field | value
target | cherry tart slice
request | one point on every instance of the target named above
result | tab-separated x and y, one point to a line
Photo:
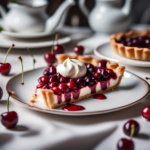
132	45
55	90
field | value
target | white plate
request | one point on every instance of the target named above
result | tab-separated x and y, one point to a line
105	51
6	42
26	35
128	94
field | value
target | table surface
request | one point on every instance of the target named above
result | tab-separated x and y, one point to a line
37	130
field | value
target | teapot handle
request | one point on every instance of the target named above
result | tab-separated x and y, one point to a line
83	7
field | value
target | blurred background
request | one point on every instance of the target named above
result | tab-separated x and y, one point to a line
140	12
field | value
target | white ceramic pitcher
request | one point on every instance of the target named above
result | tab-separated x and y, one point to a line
107	16
29	16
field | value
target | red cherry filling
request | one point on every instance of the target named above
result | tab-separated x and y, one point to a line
56	81
127	127
143	42
72	85
146	112
63	87
43	79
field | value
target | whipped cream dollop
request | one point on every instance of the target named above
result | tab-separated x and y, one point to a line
72	68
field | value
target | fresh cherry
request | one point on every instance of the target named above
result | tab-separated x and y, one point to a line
53	84
9	119
125	144
46	73
45	86
63	87
52	70
102	63
127	127
6	67
56	90
53	79
43	79
63	80
73	80
97	75
1	93
79	50
58	49
72	85
50	57
146	112
81	82
40	85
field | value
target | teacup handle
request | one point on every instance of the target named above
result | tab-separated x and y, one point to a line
83	7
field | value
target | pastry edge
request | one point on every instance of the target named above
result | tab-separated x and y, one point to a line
130	52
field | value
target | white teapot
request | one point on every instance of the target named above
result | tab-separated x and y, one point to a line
107	16
29	16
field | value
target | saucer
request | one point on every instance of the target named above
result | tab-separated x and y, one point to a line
105	51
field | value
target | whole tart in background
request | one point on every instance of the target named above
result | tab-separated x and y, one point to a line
132	44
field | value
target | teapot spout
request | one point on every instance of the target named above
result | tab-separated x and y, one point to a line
54	20
127	7
2	11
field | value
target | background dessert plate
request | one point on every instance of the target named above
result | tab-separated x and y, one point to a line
6	42
105	51
126	95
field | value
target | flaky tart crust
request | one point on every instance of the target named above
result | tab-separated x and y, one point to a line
130	52
48	95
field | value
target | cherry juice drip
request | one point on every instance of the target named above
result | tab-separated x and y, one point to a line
100	96
73	107
59	99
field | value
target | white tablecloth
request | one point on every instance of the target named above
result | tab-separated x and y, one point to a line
41	131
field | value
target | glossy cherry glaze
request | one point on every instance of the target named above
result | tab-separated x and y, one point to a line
146	112
1	93
79	50
141	42
73	107
99	96
9	119
50	57
127	127
58	49
125	144
68	88
5	68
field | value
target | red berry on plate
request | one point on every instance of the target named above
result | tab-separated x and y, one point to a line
9	119
79	50
63	80
50	57
53	78
43	79
125	144
58	49
127	127
52	70
146	112
63	87
56	90
72	85
1	93
53	84
102	63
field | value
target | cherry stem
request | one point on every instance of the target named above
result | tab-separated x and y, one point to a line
34	61
56	38
22	69
132	130
147	78
8	52
9	94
